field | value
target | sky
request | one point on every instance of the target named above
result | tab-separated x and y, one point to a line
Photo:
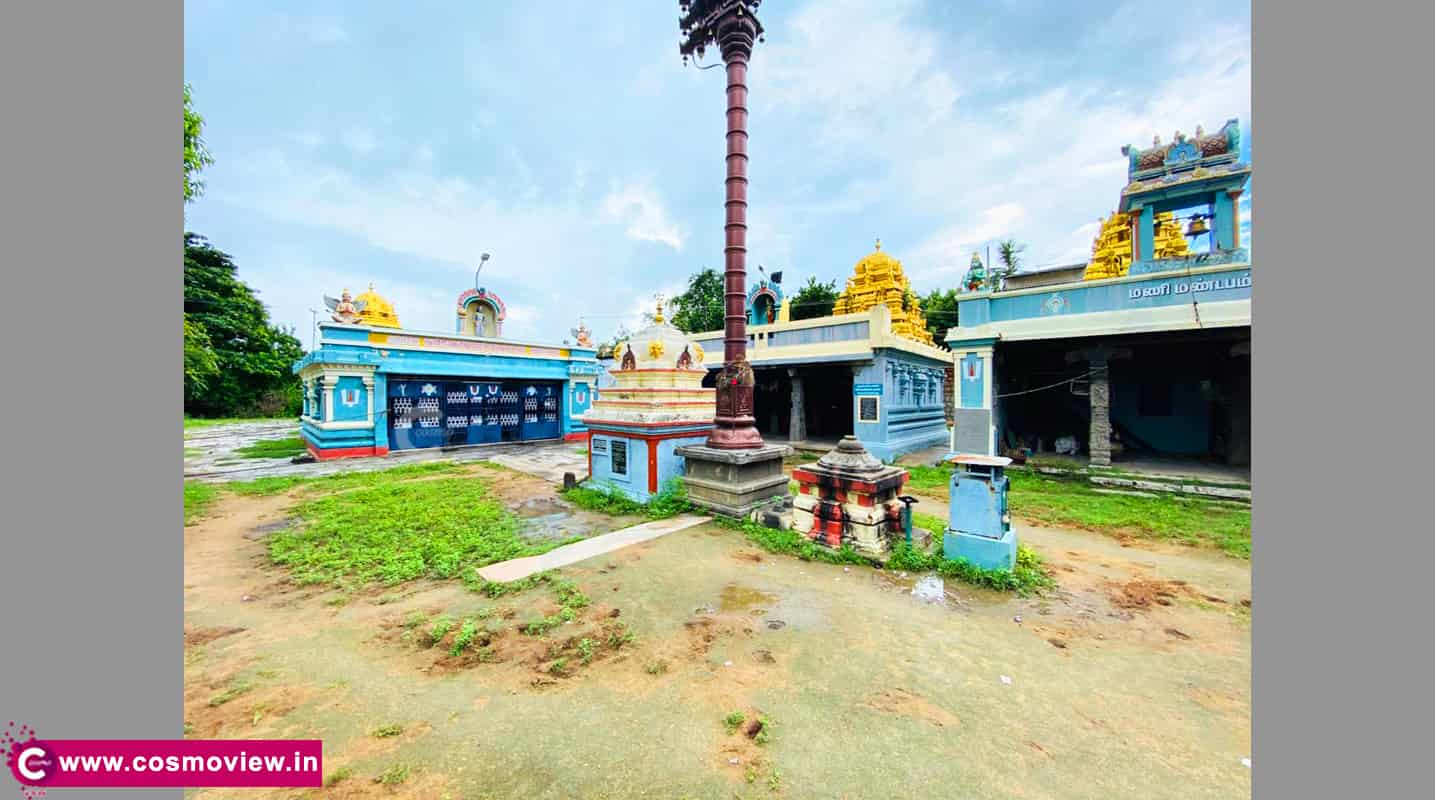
394	143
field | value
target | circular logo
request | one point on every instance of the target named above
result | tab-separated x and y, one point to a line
33	763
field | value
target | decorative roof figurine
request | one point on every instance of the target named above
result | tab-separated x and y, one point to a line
345	309
878	278
976	277
375	310
582	336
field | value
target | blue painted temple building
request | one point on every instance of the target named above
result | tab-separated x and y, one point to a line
1142	352
372	387
869	370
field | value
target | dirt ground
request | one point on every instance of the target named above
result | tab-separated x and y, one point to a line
1131	680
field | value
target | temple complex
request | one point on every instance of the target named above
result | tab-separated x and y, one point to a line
653	404
371	386
878	278
1144	352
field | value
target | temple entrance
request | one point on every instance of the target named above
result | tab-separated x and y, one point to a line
825	396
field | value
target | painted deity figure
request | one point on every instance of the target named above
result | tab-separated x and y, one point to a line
976	276
345	309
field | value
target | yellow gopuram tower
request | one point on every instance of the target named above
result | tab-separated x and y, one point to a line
1111	252
879	279
376	310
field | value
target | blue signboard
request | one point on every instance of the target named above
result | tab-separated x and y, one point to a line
860	389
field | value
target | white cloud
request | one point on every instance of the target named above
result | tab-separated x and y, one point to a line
949	249
641	209
361	141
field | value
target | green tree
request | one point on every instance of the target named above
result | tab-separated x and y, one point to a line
700	308
201	365
196	155
1009	254
253	356
813	300
940	309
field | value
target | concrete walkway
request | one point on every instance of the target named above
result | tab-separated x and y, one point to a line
519	568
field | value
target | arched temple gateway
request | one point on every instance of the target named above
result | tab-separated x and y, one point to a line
371	386
869	370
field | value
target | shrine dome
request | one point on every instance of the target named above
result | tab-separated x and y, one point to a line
659	346
376	311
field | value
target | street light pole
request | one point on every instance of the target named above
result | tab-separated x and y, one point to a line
482	259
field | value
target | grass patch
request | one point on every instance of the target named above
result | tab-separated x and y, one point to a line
670	502
264	487
198	498
387	731
193	423
656	667
190	452
338	776
272	448
792	543
1073	502
733	720
1028	576
388	533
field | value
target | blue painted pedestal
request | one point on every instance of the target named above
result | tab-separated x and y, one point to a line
979	527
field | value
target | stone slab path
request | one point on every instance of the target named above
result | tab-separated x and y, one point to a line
520	568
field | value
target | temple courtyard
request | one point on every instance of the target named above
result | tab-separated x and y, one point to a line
338	604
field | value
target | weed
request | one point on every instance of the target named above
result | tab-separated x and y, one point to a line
440	629
486	655
750	774
464	637
198	497
774	780
340	600
541	626
188	728
387	731
495	589
272	448
388	598
415	619
234	690
585	650
338	775
559	667
619	635
1026	577
733	720
764	730
656	667
258	715
268	674
792	543
671	501
393	776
